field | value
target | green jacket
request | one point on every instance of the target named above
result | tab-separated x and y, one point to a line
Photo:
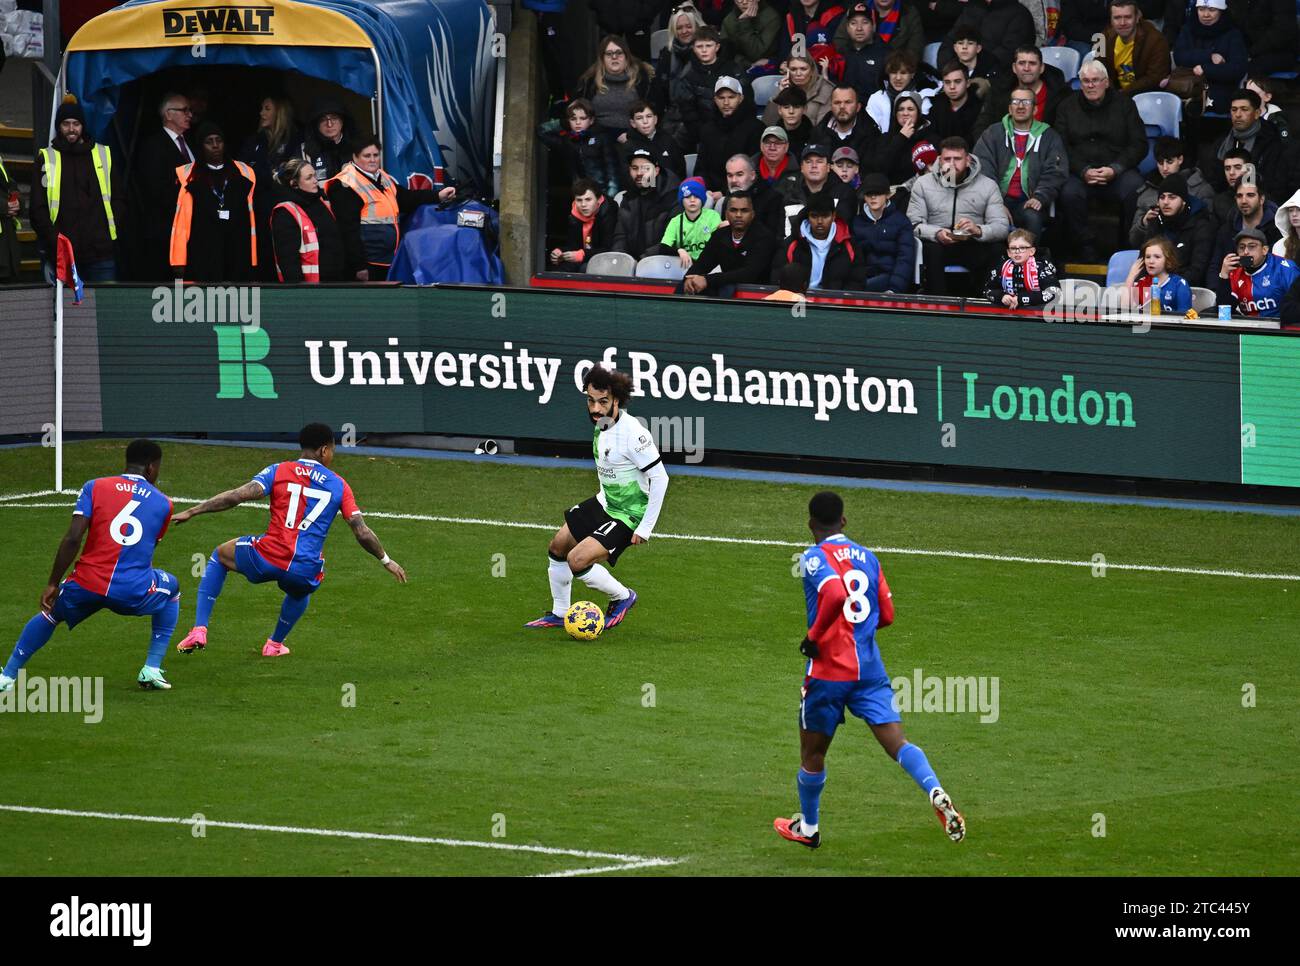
1042	171
681	232
753	38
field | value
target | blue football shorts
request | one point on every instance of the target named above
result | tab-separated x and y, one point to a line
74	603
821	708
257	570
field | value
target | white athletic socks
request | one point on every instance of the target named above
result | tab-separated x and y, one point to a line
598	578
561	585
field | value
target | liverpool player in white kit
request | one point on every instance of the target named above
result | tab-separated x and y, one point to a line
633	482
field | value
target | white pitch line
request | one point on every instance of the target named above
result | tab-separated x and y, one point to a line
28	496
955	554
757	542
570	873
35	506
627	861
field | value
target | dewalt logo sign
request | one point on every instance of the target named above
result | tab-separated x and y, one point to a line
219	21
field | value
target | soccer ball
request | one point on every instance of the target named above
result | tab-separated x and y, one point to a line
584	621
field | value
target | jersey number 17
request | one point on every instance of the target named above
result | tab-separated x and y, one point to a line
296	492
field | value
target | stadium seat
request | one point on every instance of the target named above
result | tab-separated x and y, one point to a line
1119	264
1203	299
916	271
765	90
658	41
660	266
1064	59
612	263
930	54
1074	82
690	164
1289	75
1161	112
1075	291
1160	109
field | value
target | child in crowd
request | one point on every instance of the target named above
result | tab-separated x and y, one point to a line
687	233
1023	281
585	147
1156	266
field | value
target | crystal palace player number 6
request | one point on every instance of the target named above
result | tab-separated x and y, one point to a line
122	518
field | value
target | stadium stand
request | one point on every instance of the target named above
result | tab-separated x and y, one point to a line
1119	264
1064	59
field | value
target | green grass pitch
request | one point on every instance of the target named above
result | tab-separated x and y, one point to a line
1120	695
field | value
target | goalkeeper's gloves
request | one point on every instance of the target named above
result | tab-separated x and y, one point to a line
807	648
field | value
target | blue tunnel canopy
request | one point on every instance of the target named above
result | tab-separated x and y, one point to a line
428	63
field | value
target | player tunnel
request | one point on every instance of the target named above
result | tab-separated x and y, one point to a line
408	72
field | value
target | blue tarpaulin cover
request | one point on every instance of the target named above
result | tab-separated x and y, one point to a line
434	249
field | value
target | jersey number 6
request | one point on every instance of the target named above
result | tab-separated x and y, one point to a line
858	606
126	529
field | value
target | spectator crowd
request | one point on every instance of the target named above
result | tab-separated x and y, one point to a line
929	146
289	205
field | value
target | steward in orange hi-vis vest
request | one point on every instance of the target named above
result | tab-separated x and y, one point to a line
379	211
214	231
368	204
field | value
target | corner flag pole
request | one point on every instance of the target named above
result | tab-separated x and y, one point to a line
58	386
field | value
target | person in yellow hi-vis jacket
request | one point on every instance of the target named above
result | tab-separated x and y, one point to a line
77	191
214	232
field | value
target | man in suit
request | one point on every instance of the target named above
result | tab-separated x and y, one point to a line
156	187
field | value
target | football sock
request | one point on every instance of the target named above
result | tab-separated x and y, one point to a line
164	624
292	609
598	578
35	636
561	584
810	797
917	765
214	578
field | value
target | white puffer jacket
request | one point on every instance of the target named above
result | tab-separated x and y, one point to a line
1283	221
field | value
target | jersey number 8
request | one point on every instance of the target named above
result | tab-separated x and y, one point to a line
858	606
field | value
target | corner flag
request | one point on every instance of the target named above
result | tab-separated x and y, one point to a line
66	269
